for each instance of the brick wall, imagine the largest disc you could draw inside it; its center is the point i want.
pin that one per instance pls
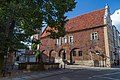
(81, 42)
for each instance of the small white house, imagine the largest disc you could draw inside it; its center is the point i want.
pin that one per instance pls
(23, 56)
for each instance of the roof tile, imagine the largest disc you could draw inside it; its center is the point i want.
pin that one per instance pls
(88, 20)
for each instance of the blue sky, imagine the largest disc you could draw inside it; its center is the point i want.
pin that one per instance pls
(85, 6)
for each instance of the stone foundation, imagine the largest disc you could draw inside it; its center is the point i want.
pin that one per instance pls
(85, 63)
(91, 63)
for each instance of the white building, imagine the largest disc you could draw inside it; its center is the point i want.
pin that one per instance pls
(23, 56)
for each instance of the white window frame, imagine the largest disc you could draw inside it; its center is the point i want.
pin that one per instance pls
(64, 40)
(59, 41)
(70, 39)
(94, 35)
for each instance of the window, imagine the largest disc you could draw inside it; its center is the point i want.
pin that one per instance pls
(64, 40)
(70, 39)
(74, 53)
(80, 53)
(59, 41)
(94, 36)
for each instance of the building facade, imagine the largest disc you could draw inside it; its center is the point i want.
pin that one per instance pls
(88, 40)
(116, 33)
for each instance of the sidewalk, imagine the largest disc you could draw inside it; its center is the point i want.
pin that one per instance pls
(36, 74)
(88, 67)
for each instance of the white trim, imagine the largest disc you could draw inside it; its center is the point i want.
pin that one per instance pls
(64, 40)
(58, 41)
(94, 35)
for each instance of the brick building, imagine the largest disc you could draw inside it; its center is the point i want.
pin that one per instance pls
(88, 40)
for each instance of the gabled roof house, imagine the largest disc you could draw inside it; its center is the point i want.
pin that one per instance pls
(88, 40)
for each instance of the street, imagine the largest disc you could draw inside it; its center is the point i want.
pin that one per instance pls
(71, 72)
(86, 74)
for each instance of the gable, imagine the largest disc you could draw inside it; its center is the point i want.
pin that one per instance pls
(44, 33)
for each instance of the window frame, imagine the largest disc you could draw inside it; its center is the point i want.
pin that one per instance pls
(58, 41)
(70, 39)
(80, 53)
(64, 40)
(74, 53)
(94, 36)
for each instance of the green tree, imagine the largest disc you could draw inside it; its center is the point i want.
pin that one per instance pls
(20, 19)
(55, 16)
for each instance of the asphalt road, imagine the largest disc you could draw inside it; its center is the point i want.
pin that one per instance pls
(86, 74)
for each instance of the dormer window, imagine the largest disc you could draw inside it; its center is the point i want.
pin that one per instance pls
(94, 36)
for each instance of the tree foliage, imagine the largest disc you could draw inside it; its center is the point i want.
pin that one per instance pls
(55, 16)
(20, 19)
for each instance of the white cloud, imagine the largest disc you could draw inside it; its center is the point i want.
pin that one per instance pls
(116, 19)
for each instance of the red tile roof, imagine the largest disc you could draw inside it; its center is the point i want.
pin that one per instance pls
(44, 33)
(89, 20)
(85, 21)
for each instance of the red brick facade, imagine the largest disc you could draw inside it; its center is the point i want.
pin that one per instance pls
(83, 49)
